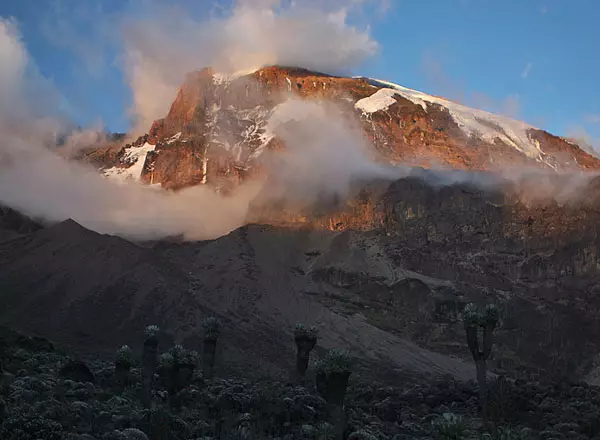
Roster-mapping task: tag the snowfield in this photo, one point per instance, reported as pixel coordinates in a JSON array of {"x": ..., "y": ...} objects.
[
  {"x": 473, "y": 122},
  {"x": 136, "y": 156}
]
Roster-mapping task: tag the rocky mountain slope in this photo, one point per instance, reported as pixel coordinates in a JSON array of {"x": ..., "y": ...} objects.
[
  {"x": 386, "y": 277},
  {"x": 384, "y": 273},
  {"x": 219, "y": 127}
]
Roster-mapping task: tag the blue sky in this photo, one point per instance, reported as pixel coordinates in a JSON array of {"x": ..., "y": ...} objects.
[{"x": 537, "y": 60}]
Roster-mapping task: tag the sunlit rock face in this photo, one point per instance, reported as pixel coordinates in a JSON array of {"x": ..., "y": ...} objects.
[{"x": 217, "y": 130}]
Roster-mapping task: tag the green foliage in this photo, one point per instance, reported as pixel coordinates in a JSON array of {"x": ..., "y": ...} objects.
[
  {"x": 507, "y": 433},
  {"x": 178, "y": 355},
  {"x": 134, "y": 434},
  {"x": 212, "y": 327},
  {"x": 151, "y": 331},
  {"x": 335, "y": 361},
  {"x": 491, "y": 312},
  {"x": 471, "y": 315},
  {"x": 177, "y": 352},
  {"x": 301, "y": 330},
  {"x": 449, "y": 426},
  {"x": 125, "y": 356},
  {"x": 166, "y": 360},
  {"x": 501, "y": 402},
  {"x": 189, "y": 357}
]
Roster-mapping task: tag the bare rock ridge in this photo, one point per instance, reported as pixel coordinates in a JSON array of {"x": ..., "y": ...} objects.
[{"x": 216, "y": 130}]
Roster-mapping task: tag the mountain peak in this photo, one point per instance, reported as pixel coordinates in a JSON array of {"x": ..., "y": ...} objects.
[{"x": 218, "y": 127}]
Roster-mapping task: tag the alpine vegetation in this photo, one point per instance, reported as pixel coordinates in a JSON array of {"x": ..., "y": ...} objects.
[
  {"x": 149, "y": 362},
  {"x": 486, "y": 320},
  {"x": 212, "y": 330},
  {"x": 333, "y": 373}
]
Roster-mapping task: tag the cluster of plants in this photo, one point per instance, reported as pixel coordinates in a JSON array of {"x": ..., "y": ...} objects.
[{"x": 177, "y": 394}]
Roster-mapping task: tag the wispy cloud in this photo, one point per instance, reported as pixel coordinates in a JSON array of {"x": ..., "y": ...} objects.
[
  {"x": 527, "y": 70},
  {"x": 584, "y": 139},
  {"x": 156, "y": 43},
  {"x": 592, "y": 118},
  {"x": 544, "y": 10}
]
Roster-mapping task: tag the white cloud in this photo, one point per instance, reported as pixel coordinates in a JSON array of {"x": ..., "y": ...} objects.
[
  {"x": 167, "y": 43},
  {"x": 527, "y": 70},
  {"x": 592, "y": 118},
  {"x": 38, "y": 182}
]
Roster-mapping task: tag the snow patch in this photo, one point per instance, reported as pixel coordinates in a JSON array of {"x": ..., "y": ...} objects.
[
  {"x": 174, "y": 138},
  {"x": 473, "y": 122},
  {"x": 135, "y": 157},
  {"x": 226, "y": 78},
  {"x": 379, "y": 101}
]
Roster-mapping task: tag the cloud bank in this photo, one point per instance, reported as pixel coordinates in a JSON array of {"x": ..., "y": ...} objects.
[
  {"x": 38, "y": 182},
  {"x": 166, "y": 42}
]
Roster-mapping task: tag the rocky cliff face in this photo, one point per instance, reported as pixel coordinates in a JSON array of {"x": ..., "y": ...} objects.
[
  {"x": 409, "y": 256},
  {"x": 218, "y": 129}
]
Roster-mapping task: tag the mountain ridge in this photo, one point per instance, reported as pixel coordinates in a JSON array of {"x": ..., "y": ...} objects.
[{"x": 218, "y": 127}]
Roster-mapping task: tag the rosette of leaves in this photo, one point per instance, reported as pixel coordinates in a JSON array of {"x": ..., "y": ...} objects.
[
  {"x": 123, "y": 364},
  {"x": 189, "y": 357},
  {"x": 301, "y": 331},
  {"x": 151, "y": 331},
  {"x": 449, "y": 426},
  {"x": 212, "y": 328},
  {"x": 335, "y": 361},
  {"x": 177, "y": 352},
  {"x": 125, "y": 356},
  {"x": 166, "y": 361}
]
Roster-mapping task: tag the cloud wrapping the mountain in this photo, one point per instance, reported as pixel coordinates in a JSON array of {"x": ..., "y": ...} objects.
[
  {"x": 165, "y": 43},
  {"x": 325, "y": 152},
  {"x": 40, "y": 183}
]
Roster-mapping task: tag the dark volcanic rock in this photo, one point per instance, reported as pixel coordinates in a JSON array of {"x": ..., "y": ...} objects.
[{"x": 13, "y": 224}]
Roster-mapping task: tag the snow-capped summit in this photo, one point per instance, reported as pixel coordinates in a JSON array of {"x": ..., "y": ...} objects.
[{"x": 219, "y": 126}]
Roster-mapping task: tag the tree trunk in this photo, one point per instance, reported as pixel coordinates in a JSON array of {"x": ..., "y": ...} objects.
[
  {"x": 208, "y": 358},
  {"x": 337, "y": 417},
  {"x": 302, "y": 358},
  {"x": 122, "y": 374},
  {"x": 304, "y": 345},
  {"x": 336, "y": 386},
  {"x": 321, "y": 383},
  {"x": 2, "y": 411},
  {"x": 149, "y": 361},
  {"x": 482, "y": 381},
  {"x": 186, "y": 374}
]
